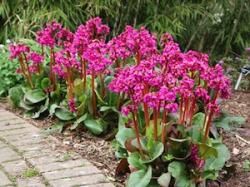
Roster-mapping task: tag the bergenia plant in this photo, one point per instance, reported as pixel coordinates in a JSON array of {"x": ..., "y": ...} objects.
[{"x": 173, "y": 99}]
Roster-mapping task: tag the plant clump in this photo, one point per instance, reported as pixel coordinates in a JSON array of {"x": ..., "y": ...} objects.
[{"x": 162, "y": 101}]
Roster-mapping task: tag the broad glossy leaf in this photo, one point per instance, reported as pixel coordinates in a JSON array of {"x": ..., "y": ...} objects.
[
  {"x": 94, "y": 126},
  {"x": 176, "y": 168},
  {"x": 140, "y": 178},
  {"x": 45, "y": 83},
  {"x": 124, "y": 134},
  {"x": 64, "y": 114},
  {"x": 178, "y": 171},
  {"x": 218, "y": 162},
  {"x": 198, "y": 119},
  {"x": 42, "y": 109},
  {"x": 196, "y": 131},
  {"x": 107, "y": 108},
  {"x": 16, "y": 95},
  {"x": 35, "y": 96},
  {"x": 79, "y": 121},
  {"x": 134, "y": 160},
  {"x": 207, "y": 151},
  {"x": 55, "y": 128},
  {"x": 224, "y": 121},
  {"x": 26, "y": 107},
  {"x": 154, "y": 152},
  {"x": 164, "y": 179},
  {"x": 52, "y": 109}
]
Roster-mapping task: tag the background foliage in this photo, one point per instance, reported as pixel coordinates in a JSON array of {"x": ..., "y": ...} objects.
[{"x": 218, "y": 27}]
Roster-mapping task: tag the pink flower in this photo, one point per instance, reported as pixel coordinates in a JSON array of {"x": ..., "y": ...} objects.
[
  {"x": 133, "y": 42},
  {"x": 33, "y": 69},
  {"x": 35, "y": 57},
  {"x": 96, "y": 56},
  {"x": 17, "y": 50},
  {"x": 72, "y": 105},
  {"x": 195, "y": 158},
  {"x": 47, "y": 36}
]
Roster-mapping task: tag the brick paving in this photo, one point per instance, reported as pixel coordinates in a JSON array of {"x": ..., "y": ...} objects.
[{"x": 29, "y": 159}]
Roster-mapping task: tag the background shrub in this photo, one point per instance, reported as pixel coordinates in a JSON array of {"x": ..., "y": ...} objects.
[{"x": 220, "y": 28}]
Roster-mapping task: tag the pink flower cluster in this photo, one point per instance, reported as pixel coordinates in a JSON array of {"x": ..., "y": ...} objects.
[
  {"x": 17, "y": 50},
  {"x": 195, "y": 158},
  {"x": 132, "y": 42},
  {"x": 46, "y": 36},
  {"x": 23, "y": 53},
  {"x": 168, "y": 78},
  {"x": 35, "y": 57}
]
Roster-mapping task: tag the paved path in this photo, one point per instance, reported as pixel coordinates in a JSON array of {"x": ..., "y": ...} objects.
[{"x": 28, "y": 158}]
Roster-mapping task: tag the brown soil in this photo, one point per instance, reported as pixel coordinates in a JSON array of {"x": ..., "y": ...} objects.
[
  {"x": 101, "y": 153},
  {"x": 238, "y": 140}
]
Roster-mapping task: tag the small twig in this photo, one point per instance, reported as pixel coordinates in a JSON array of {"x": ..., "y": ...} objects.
[{"x": 242, "y": 139}]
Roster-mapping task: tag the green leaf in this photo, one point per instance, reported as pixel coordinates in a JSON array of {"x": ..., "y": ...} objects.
[
  {"x": 217, "y": 163},
  {"x": 164, "y": 179},
  {"x": 35, "y": 96},
  {"x": 42, "y": 109},
  {"x": 25, "y": 106},
  {"x": 154, "y": 152},
  {"x": 99, "y": 98},
  {"x": 178, "y": 171},
  {"x": 52, "y": 109},
  {"x": 107, "y": 108},
  {"x": 134, "y": 160},
  {"x": 78, "y": 87},
  {"x": 55, "y": 128},
  {"x": 198, "y": 119},
  {"x": 246, "y": 165},
  {"x": 122, "y": 121},
  {"x": 64, "y": 114},
  {"x": 16, "y": 95},
  {"x": 45, "y": 83},
  {"x": 224, "y": 121},
  {"x": 79, "y": 121},
  {"x": 81, "y": 109},
  {"x": 196, "y": 131},
  {"x": 176, "y": 168},
  {"x": 207, "y": 151},
  {"x": 140, "y": 178},
  {"x": 94, "y": 126},
  {"x": 124, "y": 134}
]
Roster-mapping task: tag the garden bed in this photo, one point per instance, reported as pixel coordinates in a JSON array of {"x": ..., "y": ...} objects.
[{"x": 100, "y": 152}]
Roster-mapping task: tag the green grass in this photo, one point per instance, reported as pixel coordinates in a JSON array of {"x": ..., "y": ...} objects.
[{"x": 29, "y": 173}]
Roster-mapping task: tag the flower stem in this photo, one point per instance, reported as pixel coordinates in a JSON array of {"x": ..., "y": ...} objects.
[
  {"x": 93, "y": 94},
  {"x": 28, "y": 72},
  {"x": 84, "y": 74},
  {"x": 145, "y": 106},
  {"x": 164, "y": 127},
  {"x": 191, "y": 113},
  {"x": 70, "y": 85},
  {"x": 155, "y": 124},
  {"x": 138, "y": 58},
  {"x": 102, "y": 85},
  {"x": 137, "y": 134},
  {"x": 52, "y": 75},
  {"x": 23, "y": 69}
]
